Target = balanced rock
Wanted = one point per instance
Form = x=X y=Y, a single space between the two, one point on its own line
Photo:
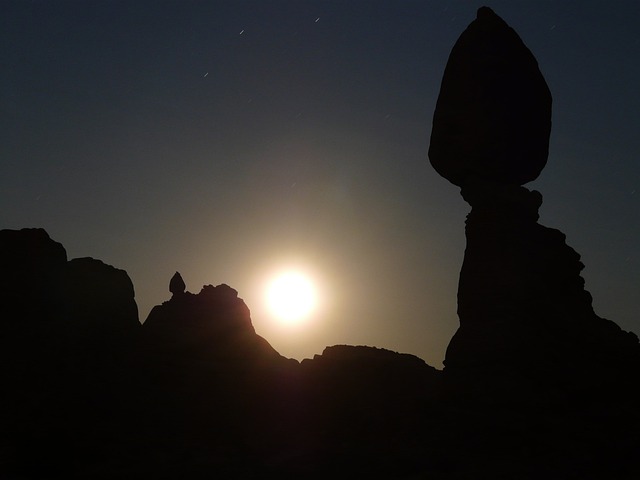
x=493 y=116
x=532 y=375
x=176 y=284
x=520 y=292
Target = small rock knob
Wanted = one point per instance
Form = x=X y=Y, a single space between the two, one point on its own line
x=176 y=285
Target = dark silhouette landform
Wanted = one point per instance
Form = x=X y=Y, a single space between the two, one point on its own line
x=535 y=384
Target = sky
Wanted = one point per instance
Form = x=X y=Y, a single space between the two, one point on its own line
x=229 y=140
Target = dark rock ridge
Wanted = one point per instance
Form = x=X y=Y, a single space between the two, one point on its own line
x=369 y=411
x=207 y=320
x=191 y=393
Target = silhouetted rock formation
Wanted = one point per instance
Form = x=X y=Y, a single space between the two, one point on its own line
x=530 y=353
x=521 y=301
x=493 y=116
x=30 y=263
x=192 y=393
x=205 y=363
x=98 y=297
x=532 y=356
x=176 y=284
x=214 y=322
x=367 y=400
x=524 y=311
x=214 y=383
x=67 y=333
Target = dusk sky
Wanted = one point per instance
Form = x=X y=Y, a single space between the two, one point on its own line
x=228 y=140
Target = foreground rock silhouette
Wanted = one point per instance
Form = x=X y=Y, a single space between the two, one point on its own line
x=493 y=116
x=535 y=384
x=524 y=312
x=530 y=352
x=191 y=393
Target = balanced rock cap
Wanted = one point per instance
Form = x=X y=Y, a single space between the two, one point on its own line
x=493 y=116
x=176 y=284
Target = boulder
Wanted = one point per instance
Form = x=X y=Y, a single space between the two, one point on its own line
x=493 y=115
x=176 y=284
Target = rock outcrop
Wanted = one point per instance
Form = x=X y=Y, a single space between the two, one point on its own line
x=526 y=321
x=192 y=392
x=98 y=297
x=31 y=264
x=531 y=363
x=493 y=116
x=68 y=329
x=214 y=322
x=373 y=400
x=40 y=285
x=176 y=284
x=208 y=382
x=206 y=365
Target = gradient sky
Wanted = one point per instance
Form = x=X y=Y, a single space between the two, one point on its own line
x=228 y=139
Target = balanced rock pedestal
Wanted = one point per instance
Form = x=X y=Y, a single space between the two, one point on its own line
x=528 y=332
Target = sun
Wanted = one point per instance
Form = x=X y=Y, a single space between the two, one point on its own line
x=291 y=297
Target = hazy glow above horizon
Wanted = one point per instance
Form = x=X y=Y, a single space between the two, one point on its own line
x=291 y=297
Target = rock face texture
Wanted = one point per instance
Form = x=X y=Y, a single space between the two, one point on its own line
x=485 y=127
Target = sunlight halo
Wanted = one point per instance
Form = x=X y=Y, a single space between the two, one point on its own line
x=291 y=297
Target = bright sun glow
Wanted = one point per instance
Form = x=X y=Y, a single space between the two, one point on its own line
x=291 y=297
